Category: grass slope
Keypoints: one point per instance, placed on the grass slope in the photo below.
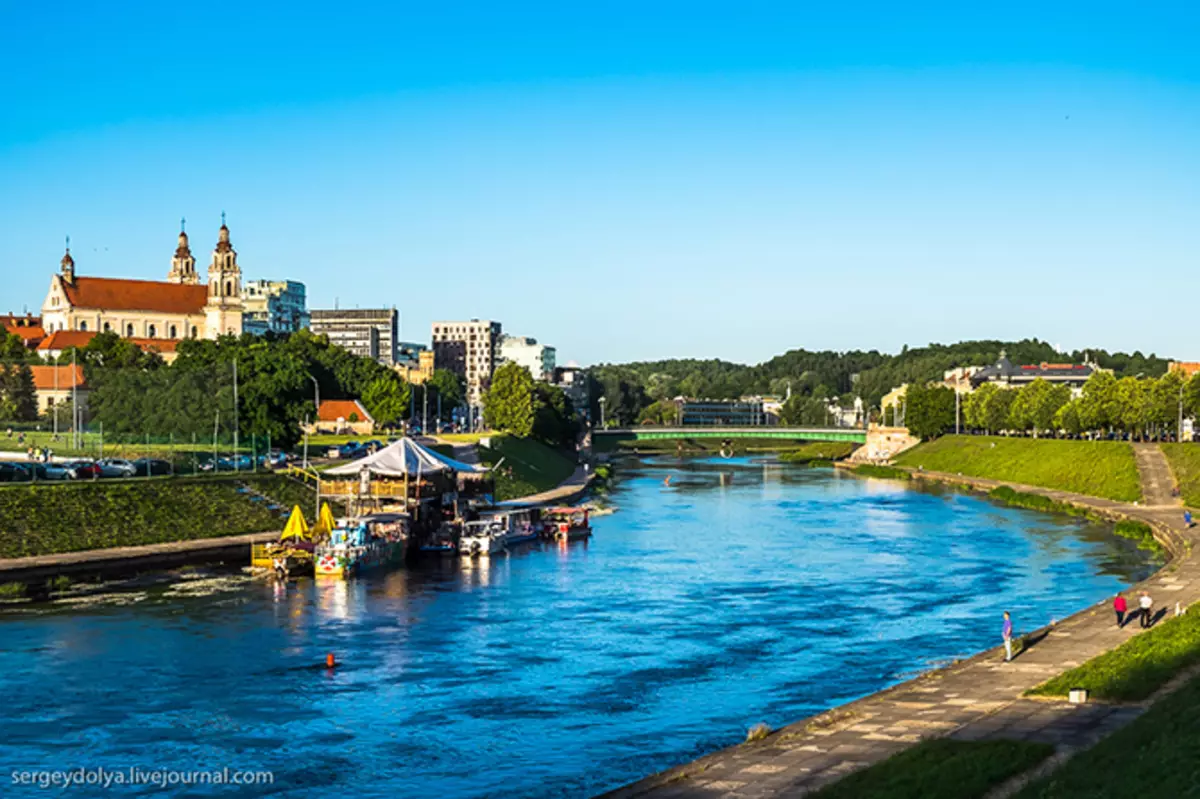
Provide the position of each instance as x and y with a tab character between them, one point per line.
940	769
1155	756
1138	667
705	445
1095	468
530	467
1185	465
43	519
818	451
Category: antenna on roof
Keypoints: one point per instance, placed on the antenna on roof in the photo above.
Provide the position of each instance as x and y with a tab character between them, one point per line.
222	219
183	224
68	242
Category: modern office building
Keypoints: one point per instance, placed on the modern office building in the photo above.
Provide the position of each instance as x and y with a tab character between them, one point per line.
525	351
470	349
745	412
273	306
369	333
574	383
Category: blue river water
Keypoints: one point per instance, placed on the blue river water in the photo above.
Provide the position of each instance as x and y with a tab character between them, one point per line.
746	591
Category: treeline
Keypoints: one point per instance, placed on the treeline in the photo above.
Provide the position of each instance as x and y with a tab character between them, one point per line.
630	388
132	392
1143	408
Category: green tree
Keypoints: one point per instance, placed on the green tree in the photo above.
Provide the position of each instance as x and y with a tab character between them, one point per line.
1067	418
1097	407
1036	404
509	405
450	387
386	399
929	410
975	407
554	419
662	412
999	409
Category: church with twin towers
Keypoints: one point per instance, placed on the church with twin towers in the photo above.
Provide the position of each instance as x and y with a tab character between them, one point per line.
164	312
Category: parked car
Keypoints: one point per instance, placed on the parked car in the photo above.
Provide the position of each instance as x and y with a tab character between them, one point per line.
374	445
14	472
151	467
49	471
275	459
116	467
346	450
82	470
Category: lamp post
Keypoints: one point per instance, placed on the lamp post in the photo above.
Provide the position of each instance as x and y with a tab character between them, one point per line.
602	413
316	394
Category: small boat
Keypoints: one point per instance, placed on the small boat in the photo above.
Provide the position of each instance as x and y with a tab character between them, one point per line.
521	527
444	541
566	524
482	538
292	554
363	543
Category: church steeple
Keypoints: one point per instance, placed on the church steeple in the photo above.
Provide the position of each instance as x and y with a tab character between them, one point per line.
224	308
183	265
68	264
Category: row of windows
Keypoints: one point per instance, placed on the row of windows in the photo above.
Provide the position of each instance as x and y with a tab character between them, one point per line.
151	330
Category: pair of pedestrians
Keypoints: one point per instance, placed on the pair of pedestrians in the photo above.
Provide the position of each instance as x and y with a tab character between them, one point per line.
1145	609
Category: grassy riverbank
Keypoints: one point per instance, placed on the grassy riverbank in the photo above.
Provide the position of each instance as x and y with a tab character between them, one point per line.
818	451
529	467
940	769
1095	468
710	445
1185	465
1138	667
1153	756
72	517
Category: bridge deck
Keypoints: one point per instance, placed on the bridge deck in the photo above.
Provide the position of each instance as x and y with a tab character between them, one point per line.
761	431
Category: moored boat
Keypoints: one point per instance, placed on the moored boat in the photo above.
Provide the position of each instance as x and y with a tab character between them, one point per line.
566	524
292	554
363	543
520	526
482	538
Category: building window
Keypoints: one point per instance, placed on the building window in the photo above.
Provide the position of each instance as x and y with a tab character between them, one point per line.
193	331
173	332
150	331
228	289
129	331
83	326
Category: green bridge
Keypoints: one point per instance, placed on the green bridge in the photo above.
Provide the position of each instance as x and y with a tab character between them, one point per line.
614	434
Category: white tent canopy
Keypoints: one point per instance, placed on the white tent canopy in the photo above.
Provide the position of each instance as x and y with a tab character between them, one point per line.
405	458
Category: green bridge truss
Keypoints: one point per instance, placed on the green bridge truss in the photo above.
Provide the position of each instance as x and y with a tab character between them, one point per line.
792	433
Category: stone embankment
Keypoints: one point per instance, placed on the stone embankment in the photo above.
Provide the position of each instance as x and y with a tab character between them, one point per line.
975	699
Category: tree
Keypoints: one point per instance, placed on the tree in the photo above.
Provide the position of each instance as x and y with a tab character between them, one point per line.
554	419
975	407
998	409
509	404
929	410
449	386
1068	420
1097	407
386	399
662	412
1132	401
18	396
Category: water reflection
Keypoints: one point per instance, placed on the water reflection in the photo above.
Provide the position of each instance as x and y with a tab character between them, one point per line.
744	591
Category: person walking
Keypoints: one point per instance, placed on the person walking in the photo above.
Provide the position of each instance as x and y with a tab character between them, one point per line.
1120	607
1187	519
1147	607
1007	633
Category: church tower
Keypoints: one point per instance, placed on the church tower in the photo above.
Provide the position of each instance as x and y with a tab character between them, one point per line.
68	265
223	312
183	265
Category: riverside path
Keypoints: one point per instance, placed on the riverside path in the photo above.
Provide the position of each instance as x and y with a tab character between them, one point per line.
975	699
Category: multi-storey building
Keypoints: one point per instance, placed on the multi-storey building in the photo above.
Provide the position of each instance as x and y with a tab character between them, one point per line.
369	333
181	307
273	306
470	349
524	351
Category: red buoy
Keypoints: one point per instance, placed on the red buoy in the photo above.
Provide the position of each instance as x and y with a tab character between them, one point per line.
330	661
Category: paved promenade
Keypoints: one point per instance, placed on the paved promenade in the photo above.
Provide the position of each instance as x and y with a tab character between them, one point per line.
975	699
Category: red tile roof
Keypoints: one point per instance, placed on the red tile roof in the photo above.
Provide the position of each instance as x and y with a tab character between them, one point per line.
61	339
29	328
114	294
332	410
44	377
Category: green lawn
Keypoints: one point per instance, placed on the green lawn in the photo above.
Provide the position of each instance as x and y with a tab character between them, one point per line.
706	445
70	517
885	472
940	769
1138	667
818	451
529	467
1095	468
1155	756
1185	464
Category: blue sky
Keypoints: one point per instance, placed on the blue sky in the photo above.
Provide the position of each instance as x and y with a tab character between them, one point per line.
629	180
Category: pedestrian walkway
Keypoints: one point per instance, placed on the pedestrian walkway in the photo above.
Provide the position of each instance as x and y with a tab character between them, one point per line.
975	699
568	490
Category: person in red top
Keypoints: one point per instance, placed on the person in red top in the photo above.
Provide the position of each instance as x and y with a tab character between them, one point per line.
1120	607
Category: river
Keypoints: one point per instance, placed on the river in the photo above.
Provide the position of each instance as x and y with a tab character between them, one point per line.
744	591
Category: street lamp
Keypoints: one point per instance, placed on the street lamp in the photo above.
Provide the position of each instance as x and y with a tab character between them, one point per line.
316	393
602	413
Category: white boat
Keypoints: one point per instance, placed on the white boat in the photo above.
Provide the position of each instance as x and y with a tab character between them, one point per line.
482	538
520	526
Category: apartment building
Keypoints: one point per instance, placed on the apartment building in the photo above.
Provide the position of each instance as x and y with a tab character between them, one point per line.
470	349
369	333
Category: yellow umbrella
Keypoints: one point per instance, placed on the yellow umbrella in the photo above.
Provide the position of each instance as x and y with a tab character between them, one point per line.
296	527
325	522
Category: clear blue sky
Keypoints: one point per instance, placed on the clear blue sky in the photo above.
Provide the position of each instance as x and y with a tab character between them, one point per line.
629	180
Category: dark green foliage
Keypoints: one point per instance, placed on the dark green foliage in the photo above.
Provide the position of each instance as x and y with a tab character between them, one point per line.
18	397
826	451
529	467
1155	756
1138	667
940	769
517	404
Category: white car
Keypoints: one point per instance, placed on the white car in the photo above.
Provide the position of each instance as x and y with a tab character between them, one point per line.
116	467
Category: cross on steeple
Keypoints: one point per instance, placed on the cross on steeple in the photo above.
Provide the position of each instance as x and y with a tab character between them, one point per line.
183	224
68	242
222	219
